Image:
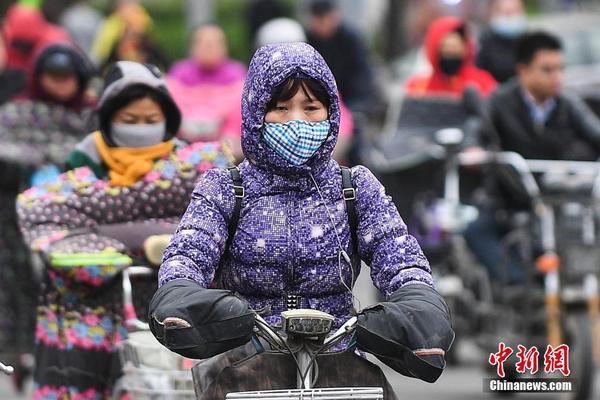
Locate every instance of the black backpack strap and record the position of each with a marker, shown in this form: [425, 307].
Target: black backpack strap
[350, 198]
[238, 190]
[239, 193]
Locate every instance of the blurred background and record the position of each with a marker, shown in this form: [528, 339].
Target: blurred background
[377, 53]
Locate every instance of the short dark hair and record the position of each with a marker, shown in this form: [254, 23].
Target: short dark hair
[530, 43]
[319, 8]
[290, 87]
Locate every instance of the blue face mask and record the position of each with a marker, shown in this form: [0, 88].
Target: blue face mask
[509, 27]
[296, 141]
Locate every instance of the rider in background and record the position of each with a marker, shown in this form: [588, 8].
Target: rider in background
[259, 12]
[54, 113]
[209, 62]
[12, 81]
[26, 31]
[497, 52]
[35, 132]
[60, 76]
[128, 16]
[344, 50]
[451, 53]
[130, 176]
[82, 21]
[348, 56]
[532, 116]
[207, 87]
[138, 46]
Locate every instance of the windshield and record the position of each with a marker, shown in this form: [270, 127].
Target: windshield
[582, 47]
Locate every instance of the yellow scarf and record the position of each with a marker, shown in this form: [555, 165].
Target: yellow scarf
[128, 164]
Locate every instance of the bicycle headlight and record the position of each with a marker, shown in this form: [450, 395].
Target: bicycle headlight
[306, 322]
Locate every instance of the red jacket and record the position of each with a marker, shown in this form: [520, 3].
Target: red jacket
[439, 83]
[25, 32]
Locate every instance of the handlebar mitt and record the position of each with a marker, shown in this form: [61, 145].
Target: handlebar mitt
[410, 332]
[218, 320]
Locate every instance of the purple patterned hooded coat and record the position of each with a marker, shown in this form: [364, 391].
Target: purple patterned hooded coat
[285, 242]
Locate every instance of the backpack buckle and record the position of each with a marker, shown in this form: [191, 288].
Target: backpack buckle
[349, 194]
[239, 191]
[292, 301]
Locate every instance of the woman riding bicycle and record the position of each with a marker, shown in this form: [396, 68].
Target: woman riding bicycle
[293, 247]
[131, 180]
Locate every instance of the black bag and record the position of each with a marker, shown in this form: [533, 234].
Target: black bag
[243, 369]
[219, 320]
[410, 332]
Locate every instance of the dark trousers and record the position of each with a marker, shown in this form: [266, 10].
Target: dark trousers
[485, 239]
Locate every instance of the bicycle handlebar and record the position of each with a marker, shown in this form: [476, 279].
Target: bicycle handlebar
[526, 168]
[131, 319]
[342, 332]
[7, 369]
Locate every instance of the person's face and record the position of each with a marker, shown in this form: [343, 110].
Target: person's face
[61, 87]
[543, 75]
[129, 47]
[209, 46]
[507, 8]
[299, 107]
[324, 26]
[453, 46]
[141, 111]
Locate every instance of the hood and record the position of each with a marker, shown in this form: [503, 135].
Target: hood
[124, 74]
[25, 31]
[70, 58]
[437, 31]
[270, 66]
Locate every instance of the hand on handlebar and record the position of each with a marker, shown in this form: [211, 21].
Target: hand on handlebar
[474, 153]
[197, 322]
[410, 331]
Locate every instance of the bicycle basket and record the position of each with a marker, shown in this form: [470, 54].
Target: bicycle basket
[142, 350]
[151, 384]
[151, 371]
[365, 393]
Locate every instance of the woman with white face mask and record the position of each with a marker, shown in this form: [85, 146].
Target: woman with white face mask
[498, 45]
[131, 181]
[138, 120]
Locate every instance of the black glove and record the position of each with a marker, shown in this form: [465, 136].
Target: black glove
[211, 321]
[410, 332]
